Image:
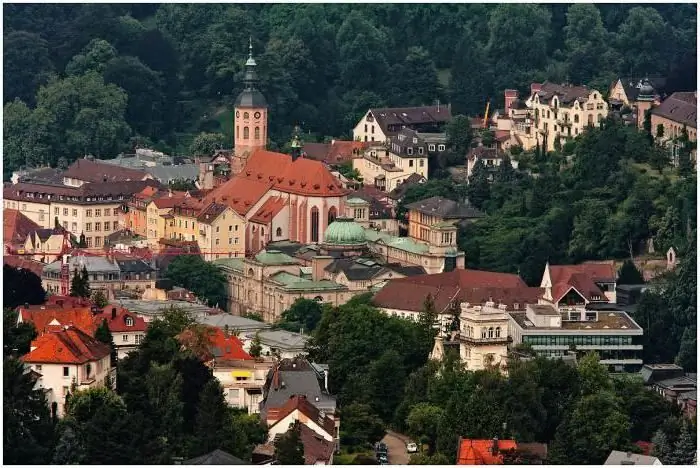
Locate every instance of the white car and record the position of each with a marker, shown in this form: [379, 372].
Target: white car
[411, 447]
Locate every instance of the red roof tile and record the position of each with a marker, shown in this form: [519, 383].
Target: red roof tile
[96, 171]
[16, 226]
[118, 323]
[17, 261]
[239, 193]
[299, 402]
[343, 151]
[269, 210]
[581, 277]
[66, 346]
[480, 451]
[43, 317]
[221, 346]
[316, 448]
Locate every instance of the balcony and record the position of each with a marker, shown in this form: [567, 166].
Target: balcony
[486, 341]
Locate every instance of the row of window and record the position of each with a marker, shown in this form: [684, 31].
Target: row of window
[88, 226]
[567, 340]
[88, 213]
[246, 132]
[137, 339]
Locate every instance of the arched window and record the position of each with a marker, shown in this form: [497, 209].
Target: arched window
[257, 133]
[246, 115]
[279, 232]
[314, 224]
[332, 214]
[246, 133]
[498, 332]
[129, 322]
[251, 272]
[483, 333]
[490, 332]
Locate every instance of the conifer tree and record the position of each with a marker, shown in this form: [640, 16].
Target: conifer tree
[661, 446]
[629, 274]
[104, 335]
[289, 450]
[256, 346]
[685, 447]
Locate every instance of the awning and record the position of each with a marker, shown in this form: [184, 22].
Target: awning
[242, 373]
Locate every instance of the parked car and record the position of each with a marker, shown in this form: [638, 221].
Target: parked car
[383, 459]
[381, 448]
[411, 447]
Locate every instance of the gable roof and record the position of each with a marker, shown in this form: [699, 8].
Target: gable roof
[118, 322]
[679, 107]
[393, 116]
[18, 261]
[222, 346]
[617, 457]
[300, 403]
[316, 151]
[239, 193]
[45, 316]
[632, 86]
[582, 278]
[66, 346]
[211, 212]
[567, 93]
[96, 171]
[400, 189]
[16, 226]
[480, 451]
[217, 457]
[316, 448]
[269, 210]
[445, 208]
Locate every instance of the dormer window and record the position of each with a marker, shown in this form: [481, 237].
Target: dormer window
[129, 322]
[409, 151]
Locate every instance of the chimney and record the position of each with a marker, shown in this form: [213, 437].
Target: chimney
[114, 313]
[494, 448]
[510, 96]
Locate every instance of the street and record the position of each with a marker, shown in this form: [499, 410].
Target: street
[396, 443]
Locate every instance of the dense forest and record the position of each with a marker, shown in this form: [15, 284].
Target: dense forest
[99, 78]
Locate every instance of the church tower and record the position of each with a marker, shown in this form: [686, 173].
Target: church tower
[249, 118]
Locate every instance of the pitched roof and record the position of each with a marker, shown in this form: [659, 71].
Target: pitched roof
[316, 151]
[567, 93]
[97, 171]
[269, 210]
[44, 317]
[239, 193]
[356, 269]
[66, 346]
[217, 457]
[316, 448]
[680, 107]
[617, 457]
[305, 407]
[211, 212]
[222, 345]
[16, 226]
[400, 189]
[445, 208]
[17, 261]
[171, 200]
[632, 86]
[118, 323]
[410, 116]
[473, 286]
[480, 451]
[596, 271]
[342, 151]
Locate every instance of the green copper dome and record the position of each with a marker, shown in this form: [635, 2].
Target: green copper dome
[344, 231]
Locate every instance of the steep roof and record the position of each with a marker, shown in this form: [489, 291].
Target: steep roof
[316, 151]
[66, 346]
[44, 317]
[400, 189]
[118, 323]
[316, 448]
[217, 457]
[294, 377]
[567, 93]
[305, 407]
[16, 226]
[680, 107]
[221, 345]
[473, 286]
[445, 208]
[97, 171]
[239, 193]
[211, 212]
[269, 210]
[632, 86]
[17, 261]
[596, 271]
[480, 451]
[410, 116]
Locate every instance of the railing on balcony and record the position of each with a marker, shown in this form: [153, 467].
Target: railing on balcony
[493, 340]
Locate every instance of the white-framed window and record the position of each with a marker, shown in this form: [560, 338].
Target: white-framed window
[65, 211]
[441, 147]
[420, 150]
[409, 150]
[129, 322]
[139, 339]
[125, 338]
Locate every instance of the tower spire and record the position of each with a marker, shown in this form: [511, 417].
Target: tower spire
[250, 76]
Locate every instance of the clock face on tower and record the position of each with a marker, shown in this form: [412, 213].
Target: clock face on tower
[257, 115]
[238, 113]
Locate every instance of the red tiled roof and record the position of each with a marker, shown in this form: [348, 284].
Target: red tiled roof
[646, 447]
[211, 212]
[168, 201]
[316, 151]
[221, 346]
[299, 402]
[239, 193]
[301, 177]
[679, 107]
[42, 316]
[480, 451]
[96, 171]
[582, 278]
[17, 261]
[118, 323]
[473, 286]
[316, 448]
[269, 210]
[66, 346]
[343, 151]
[16, 226]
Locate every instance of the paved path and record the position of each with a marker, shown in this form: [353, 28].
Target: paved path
[396, 443]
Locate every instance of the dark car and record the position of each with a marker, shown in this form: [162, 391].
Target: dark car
[381, 448]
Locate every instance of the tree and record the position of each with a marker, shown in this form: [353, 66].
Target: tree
[213, 426]
[594, 376]
[469, 92]
[459, 134]
[204, 279]
[643, 37]
[98, 297]
[687, 354]
[19, 141]
[205, 144]
[629, 274]
[685, 448]
[104, 335]
[685, 146]
[658, 157]
[288, 449]
[93, 57]
[27, 65]
[80, 283]
[361, 426]
[661, 448]
[182, 185]
[586, 42]
[423, 459]
[304, 314]
[69, 450]
[479, 189]
[16, 337]
[26, 419]
[416, 78]
[255, 346]
[423, 422]
[20, 286]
